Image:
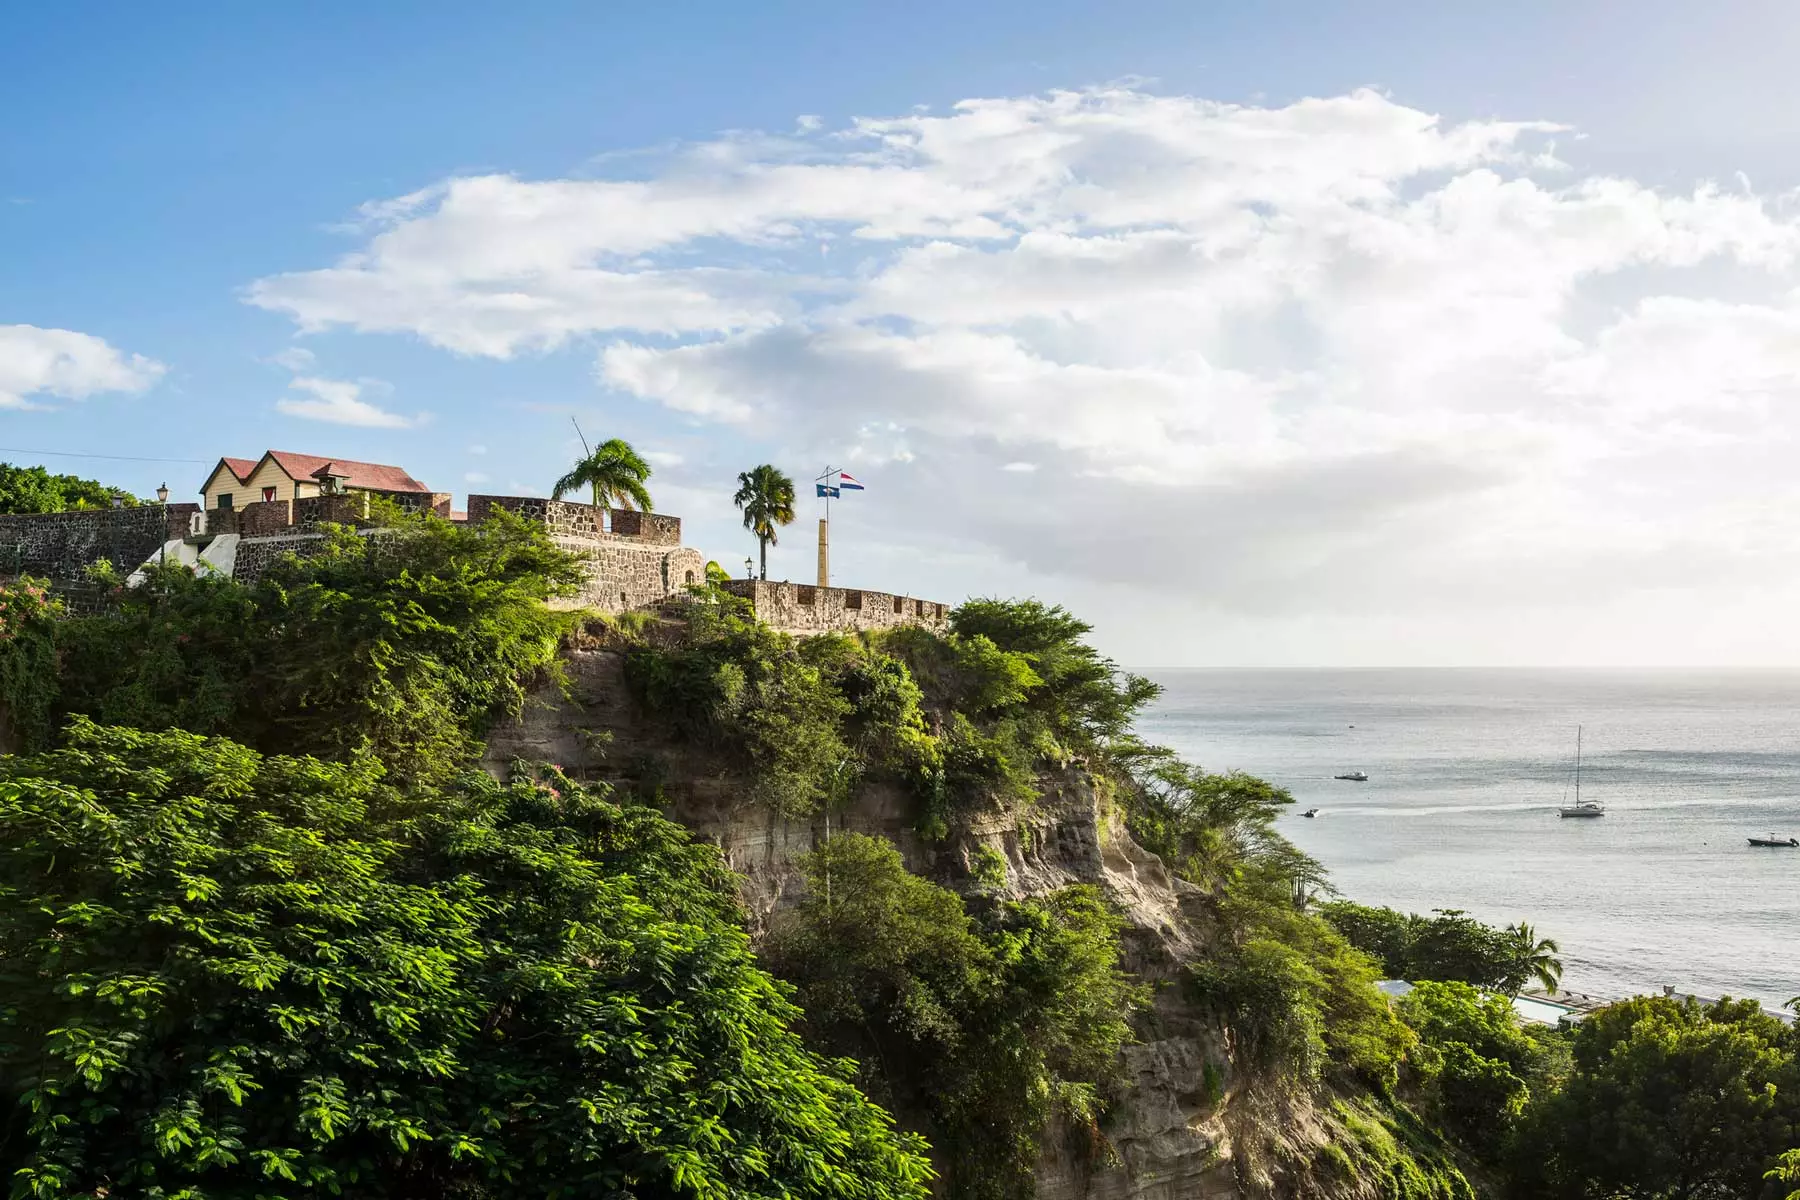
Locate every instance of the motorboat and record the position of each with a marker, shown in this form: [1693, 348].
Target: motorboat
[1354, 776]
[1771, 840]
[1313, 812]
[1581, 808]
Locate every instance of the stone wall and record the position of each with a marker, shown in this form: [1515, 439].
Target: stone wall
[349, 509]
[262, 519]
[566, 518]
[802, 608]
[623, 575]
[649, 527]
[256, 555]
[64, 545]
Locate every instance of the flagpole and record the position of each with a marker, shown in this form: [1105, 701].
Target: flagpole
[824, 488]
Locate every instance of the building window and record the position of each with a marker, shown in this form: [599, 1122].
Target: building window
[224, 499]
[268, 493]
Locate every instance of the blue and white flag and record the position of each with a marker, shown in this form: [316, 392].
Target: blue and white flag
[847, 482]
[826, 489]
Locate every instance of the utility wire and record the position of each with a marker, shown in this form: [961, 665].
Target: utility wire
[114, 457]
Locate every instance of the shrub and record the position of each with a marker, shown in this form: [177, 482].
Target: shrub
[236, 976]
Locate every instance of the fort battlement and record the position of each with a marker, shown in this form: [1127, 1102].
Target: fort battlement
[630, 559]
[803, 608]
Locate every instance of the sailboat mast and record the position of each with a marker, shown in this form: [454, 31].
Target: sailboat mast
[1578, 766]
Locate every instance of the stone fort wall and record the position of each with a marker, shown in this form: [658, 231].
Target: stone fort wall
[61, 546]
[631, 559]
[801, 608]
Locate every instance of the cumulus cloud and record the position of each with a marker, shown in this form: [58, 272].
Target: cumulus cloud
[61, 363]
[339, 402]
[1335, 354]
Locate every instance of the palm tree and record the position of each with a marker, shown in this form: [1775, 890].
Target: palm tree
[615, 473]
[1534, 958]
[767, 498]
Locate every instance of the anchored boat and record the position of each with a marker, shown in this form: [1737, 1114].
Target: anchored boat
[1581, 808]
[1354, 776]
[1771, 840]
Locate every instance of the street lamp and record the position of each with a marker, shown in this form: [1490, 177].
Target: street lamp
[162, 498]
[749, 567]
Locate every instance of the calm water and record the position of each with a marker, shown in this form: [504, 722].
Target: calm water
[1466, 770]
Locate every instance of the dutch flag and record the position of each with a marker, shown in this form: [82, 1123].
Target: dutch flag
[848, 482]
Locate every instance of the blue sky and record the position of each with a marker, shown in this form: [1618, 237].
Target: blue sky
[1211, 480]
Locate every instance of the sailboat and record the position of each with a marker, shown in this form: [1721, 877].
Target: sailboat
[1581, 808]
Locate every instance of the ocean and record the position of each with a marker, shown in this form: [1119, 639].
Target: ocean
[1466, 771]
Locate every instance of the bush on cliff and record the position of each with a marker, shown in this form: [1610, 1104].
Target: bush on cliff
[398, 647]
[989, 1018]
[232, 976]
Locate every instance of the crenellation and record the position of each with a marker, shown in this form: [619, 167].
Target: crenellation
[629, 559]
[802, 608]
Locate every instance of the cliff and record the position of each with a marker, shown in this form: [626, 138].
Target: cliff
[1190, 1122]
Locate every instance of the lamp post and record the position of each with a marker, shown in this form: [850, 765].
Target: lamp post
[162, 500]
[749, 567]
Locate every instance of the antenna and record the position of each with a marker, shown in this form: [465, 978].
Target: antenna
[585, 448]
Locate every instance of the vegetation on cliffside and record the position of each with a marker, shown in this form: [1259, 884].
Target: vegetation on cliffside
[262, 931]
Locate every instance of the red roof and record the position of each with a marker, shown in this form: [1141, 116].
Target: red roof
[241, 467]
[374, 477]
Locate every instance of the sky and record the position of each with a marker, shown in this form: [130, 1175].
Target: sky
[1257, 334]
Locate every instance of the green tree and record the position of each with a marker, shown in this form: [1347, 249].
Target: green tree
[236, 976]
[766, 497]
[613, 473]
[1670, 1099]
[35, 490]
[400, 646]
[1474, 1060]
[1532, 958]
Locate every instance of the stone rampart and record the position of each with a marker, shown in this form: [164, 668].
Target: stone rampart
[803, 608]
[63, 545]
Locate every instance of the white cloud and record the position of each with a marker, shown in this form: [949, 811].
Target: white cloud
[1335, 356]
[478, 449]
[664, 458]
[38, 362]
[474, 477]
[339, 402]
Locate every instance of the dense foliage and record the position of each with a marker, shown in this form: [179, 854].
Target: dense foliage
[1476, 1064]
[399, 646]
[226, 975]
[991, 1018]
[35, 490]
[1450, 945]
[1669, 1098]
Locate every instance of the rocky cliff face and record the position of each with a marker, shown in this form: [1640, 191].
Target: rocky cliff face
[1186, 1127]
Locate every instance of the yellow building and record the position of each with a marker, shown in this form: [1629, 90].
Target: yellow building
[284, 475]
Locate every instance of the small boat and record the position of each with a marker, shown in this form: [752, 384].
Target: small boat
[1771, 840]
[1581, 808]
[1313, 812]
[1354, 776]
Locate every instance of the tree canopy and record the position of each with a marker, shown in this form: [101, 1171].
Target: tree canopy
[233, 976]
[613, 473]
[401, 646]
[766, 496]
[36, 490]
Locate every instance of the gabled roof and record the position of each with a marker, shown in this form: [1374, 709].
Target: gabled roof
[240, 469]
[375, 477]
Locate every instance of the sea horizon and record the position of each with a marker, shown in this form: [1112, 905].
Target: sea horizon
[1467, 767]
